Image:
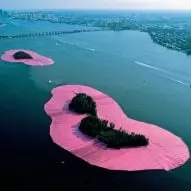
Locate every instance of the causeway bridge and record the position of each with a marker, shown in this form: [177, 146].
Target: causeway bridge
[49, 33]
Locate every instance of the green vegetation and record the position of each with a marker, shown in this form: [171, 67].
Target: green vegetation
[21, 55]
[83, 104]
[100, 129]
[112, 138]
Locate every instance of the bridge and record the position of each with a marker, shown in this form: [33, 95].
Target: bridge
[50, 33]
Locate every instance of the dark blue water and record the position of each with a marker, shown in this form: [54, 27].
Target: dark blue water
[150, 83]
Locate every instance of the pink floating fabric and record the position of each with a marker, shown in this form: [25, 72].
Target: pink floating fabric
[165, 150]
[37, 60]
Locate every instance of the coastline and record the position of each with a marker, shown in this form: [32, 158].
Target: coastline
[162, 32]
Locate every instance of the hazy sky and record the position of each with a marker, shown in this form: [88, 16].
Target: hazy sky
[96, 4]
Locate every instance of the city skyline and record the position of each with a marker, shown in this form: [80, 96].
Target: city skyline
[98, 4]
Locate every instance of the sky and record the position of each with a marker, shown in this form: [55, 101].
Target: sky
[96, 4]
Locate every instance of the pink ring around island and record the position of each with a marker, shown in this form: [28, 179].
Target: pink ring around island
[165, 150]
[37, 60]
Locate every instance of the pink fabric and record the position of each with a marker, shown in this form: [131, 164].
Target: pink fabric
[165, 150]
[37, 60]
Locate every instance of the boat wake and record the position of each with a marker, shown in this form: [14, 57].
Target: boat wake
[175, 80]
[74, 44]
[14, 23]
[164, 73]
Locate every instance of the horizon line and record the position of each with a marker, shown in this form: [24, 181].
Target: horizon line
[96, 9]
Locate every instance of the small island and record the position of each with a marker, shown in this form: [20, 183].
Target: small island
[83, 104]
[27, 57]
[96, 141]
[112, 138]
[22, 55]
[100, 129]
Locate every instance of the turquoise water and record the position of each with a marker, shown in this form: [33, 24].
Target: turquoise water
[151, 83]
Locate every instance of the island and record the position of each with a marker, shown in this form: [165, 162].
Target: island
[88, 137]
[82, 104]
[22, 55]
[100, 129]
[27, 57]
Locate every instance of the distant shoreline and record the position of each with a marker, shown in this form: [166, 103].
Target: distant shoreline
[170, 29]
